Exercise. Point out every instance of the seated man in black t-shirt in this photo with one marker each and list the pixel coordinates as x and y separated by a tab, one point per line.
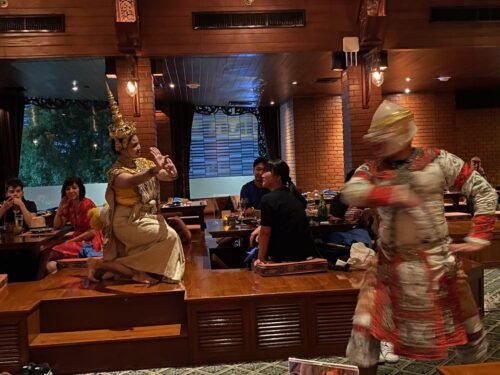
15	203
253	191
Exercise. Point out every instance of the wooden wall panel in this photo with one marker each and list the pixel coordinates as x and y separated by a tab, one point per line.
168	29
90	30
409	27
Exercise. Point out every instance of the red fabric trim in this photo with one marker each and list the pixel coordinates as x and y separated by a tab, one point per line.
482	227
362	174
445	304
380	195
463	176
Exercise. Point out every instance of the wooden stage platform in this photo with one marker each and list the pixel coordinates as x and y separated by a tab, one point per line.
214	316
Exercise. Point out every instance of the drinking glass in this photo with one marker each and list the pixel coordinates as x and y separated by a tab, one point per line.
243	206
18	222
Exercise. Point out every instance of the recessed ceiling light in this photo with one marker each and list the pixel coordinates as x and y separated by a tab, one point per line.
294	83
74	88
443	78
193	85
408	79
75	83
171	85
407	90
271	102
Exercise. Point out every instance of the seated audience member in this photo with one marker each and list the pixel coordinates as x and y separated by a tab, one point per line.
14	202
475	163
284	233
73	208
253	191
363	219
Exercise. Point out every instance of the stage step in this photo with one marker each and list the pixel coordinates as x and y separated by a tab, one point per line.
113	311
106	335
118	349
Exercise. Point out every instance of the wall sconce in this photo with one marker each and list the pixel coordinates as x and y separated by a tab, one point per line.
132	85
338	61
110	67
377	77
378	62
132	88
375	63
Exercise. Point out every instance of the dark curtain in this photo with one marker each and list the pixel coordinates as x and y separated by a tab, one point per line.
269	117
11	130
181	122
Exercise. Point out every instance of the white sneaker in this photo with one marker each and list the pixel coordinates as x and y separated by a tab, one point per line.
387	353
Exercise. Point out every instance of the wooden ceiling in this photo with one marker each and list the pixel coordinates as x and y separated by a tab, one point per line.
258	78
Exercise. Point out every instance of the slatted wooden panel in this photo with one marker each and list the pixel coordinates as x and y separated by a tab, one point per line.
333	322
278	326
90	30
10	346
220	331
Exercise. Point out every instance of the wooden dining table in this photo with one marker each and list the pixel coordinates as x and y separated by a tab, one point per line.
194	211
20	253
217	229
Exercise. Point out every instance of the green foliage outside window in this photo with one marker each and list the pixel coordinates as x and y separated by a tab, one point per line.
58	143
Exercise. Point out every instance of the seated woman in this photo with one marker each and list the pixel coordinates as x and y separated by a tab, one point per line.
284	233
74	208
139	244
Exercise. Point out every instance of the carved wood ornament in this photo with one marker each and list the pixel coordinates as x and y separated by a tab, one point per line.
127	26
372	26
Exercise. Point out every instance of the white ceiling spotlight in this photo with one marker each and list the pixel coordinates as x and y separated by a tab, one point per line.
407	90
408	79
295	83
75	86
271	102
171	85
443	78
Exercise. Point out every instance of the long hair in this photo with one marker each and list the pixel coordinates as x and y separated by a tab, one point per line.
73	180
280	168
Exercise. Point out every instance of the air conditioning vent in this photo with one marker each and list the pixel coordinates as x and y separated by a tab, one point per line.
465	14
327	80
47	23
254	20
477	99
242	103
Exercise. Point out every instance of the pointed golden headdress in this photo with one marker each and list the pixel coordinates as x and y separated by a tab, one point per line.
120	130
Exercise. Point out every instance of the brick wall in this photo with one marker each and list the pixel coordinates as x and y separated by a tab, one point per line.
480	135
466	133
287	132
319	135
145	121
435	119
319	158
163	131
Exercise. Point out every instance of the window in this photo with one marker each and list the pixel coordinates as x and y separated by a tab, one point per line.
58	143
61	142
223	148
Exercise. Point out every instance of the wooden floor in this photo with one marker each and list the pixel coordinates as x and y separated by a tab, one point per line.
213	316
